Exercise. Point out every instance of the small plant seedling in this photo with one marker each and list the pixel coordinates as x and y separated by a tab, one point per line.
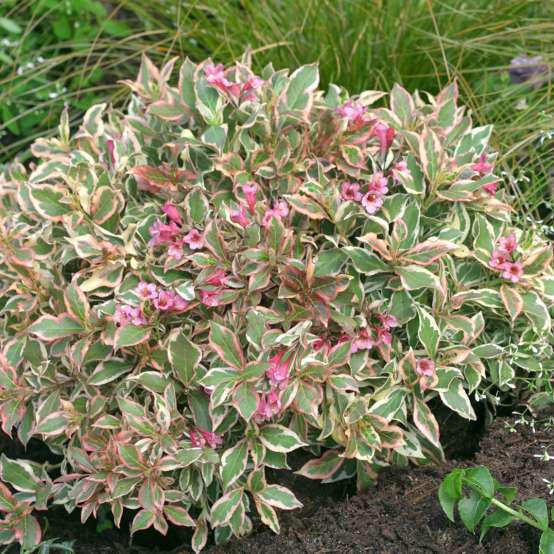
483	501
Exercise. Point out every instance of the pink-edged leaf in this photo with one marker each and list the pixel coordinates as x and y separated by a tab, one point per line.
429	251
306	206
425	421
513	302
430	153
130	335
233	463
279	497
225	507
245	400
200	535
28	532
178	516
322	468
50	328
279	438
267	515
7	502
226	344
143	520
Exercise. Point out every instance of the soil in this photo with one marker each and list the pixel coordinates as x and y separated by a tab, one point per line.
399	515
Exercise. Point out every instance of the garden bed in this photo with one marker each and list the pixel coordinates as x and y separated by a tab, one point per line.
401	514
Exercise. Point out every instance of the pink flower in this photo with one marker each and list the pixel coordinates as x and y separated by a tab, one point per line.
490	188
147	291
384	336
321	344
384	134
218	279
125	314
172	213
169	300
400	170
161	233
214	72
372	202
278	371
240	217
213	439
194	239
482	167
209	298
350	191
252	84
179	304
425	367
364	341
387	321
353	112
508	244
268	216
250	195
268	406
199	438
499	258
215	75
378	184
110	143
164	301
512	271
281	209
175	249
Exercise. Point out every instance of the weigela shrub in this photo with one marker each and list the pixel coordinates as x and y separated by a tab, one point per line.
240	266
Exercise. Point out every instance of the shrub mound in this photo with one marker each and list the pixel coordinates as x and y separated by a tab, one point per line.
240	266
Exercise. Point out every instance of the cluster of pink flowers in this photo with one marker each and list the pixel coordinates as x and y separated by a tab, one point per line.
278	371
278	375
125	314
373	199
171	234
241	215
379	335
215	75
269	405
502	259
482	168
162	299
357	116
200	438
354	113
211	297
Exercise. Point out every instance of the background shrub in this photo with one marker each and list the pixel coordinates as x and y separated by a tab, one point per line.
360	45
240	266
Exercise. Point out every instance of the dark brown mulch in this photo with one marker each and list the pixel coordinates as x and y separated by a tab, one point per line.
399	515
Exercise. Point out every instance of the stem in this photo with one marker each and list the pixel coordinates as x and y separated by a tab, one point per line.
515	513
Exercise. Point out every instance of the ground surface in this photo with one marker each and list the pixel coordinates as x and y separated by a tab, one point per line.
400	515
